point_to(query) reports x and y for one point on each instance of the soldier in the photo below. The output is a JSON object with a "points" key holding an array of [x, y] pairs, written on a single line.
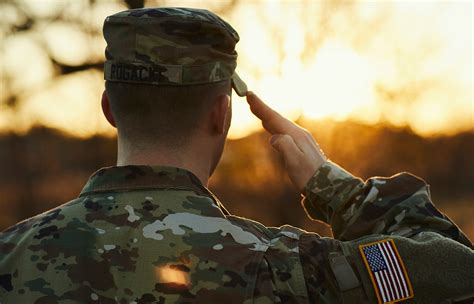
{"points": [[149, 231]]}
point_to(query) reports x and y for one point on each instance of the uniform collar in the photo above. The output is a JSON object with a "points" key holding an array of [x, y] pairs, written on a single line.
{"points": [[129, 178]]}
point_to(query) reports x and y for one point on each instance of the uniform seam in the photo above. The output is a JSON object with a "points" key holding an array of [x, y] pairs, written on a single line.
{"points": [[353, 257], [113, 188], [301, 278], [256, 260], [167, 65]]}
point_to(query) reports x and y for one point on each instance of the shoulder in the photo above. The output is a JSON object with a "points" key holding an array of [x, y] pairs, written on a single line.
{"points": [[293, 262], [284, 238], [35, 228], [39, 225], [20, 243]]}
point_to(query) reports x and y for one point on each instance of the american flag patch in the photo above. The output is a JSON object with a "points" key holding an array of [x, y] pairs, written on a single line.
{"points": [[386, 269]]}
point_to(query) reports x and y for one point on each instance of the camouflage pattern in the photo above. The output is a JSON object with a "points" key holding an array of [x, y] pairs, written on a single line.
{"points": [[170, 46], [399, 205], [155, 234]]}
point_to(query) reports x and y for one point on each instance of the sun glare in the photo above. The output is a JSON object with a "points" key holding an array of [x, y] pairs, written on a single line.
{"points": [[417, 52]]}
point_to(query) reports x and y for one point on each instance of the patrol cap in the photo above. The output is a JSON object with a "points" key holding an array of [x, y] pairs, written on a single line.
{"points": [[170, 46]]}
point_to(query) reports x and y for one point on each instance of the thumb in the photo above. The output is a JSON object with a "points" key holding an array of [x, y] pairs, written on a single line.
{"points": [[274, 139], [286, 146]]}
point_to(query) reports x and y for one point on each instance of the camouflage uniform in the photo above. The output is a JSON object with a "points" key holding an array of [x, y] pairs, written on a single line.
{"points": [[155, 234], [141, 234]]}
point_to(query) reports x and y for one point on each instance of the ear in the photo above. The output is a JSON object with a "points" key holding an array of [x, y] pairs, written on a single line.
{"points": [[106, 109], [219, 114]]}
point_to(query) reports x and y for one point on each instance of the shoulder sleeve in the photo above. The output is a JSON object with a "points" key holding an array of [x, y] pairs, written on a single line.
{"points": [[397, 205], [387, 269], [280, 276]]}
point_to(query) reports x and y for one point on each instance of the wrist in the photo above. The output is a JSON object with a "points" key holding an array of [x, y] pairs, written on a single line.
{"points": [[327, 190]]}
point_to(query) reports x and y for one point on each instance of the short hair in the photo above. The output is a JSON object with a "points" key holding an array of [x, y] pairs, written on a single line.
{"points": [[168, 115]]}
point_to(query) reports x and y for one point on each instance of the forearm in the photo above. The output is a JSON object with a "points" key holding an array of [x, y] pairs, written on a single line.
{"points": [[398, 205]]}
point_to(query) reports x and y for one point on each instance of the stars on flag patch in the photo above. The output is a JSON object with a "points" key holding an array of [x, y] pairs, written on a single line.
{"points": [[387, 271]]}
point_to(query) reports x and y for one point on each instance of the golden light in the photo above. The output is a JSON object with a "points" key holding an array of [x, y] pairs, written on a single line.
{"points": [[420, 52], [167, 274], [400, 63]]}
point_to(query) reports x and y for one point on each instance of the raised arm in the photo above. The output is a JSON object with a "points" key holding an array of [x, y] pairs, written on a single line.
{"points": [[399, 205]]}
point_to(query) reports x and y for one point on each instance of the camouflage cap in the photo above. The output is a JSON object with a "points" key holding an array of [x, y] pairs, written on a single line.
{"points": [[170, 46]]}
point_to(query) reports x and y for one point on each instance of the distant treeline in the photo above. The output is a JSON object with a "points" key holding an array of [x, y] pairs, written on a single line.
{"points": [[45, 168]]}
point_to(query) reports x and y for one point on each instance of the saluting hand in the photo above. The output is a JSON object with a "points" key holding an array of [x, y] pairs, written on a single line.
{"points": [[301, 153]]}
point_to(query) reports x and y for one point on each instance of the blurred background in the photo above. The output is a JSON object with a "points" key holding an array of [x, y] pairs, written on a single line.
{"points": [[383, 86]]}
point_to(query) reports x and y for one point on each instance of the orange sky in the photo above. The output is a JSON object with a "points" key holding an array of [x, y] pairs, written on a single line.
{"points": [[405, 63]]}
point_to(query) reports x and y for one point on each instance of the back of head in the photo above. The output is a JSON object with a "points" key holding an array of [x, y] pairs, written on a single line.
{"points": [[164, 68], [165, 115]]}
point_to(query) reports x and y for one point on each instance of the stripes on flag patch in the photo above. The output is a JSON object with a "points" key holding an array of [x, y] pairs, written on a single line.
{"points": [[387, 272]]}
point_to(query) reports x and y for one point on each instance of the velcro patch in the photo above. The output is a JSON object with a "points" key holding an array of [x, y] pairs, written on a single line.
{"points": [[387, 271]]}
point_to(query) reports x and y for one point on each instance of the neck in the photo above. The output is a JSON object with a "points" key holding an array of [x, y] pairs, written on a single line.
{"points": [[197, 162]]}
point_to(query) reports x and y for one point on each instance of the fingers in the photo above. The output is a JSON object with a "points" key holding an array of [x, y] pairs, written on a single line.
{"points": [[286, 146], [259, 108], [275, 123], [272, 121], [299, 150]]}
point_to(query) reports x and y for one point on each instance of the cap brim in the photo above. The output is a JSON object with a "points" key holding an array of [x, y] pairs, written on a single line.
{"points": [[239, 85]]}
